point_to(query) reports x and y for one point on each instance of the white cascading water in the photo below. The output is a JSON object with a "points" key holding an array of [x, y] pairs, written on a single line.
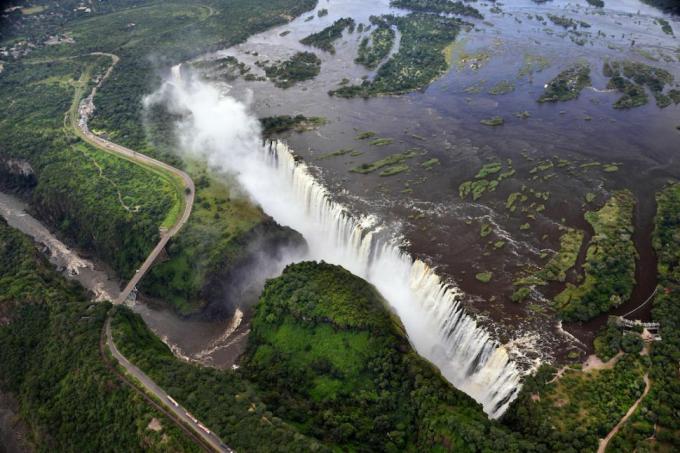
{"points": [[430, 310], [221, 130]]}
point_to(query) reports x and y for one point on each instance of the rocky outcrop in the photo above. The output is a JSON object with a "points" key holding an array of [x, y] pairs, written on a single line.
{"points": [[16, 174]]}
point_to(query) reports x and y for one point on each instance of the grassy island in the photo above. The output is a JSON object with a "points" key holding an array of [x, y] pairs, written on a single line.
{"points": [[419, 61], [374, 50], [610, 262], [568, 84], [325, 38], [298, 68]]}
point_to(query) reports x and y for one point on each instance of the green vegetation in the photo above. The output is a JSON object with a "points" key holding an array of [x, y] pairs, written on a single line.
{"points": [[520, 294], [298, 68], [51, 363], [665, 26], [224, 402], [418, 62], [381, 42], [610, 262], [85, 205], [568, 84], [381, 142], [98, 201], [608, 341], [365, 135], [438, 6], [631, 78], [325, 38], [533, 64], [391, 161], [486, 180], [484, 277], [322, 12], [489, 169], [493, 121], [596, 3], [574, 411], [555, 270], [171, 32], [395, 169], [272, 125], [430, 163], [502, 87], [655, 426], [329, 332], [337, 153], [211, 240], [566, 22], [227, 68]]}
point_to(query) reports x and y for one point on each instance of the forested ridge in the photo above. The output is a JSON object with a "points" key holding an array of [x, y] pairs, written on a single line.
{"points": [[51, 362]]}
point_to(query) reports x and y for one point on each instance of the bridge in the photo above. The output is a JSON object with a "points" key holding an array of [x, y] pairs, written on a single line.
{"points": [[651, 327]]}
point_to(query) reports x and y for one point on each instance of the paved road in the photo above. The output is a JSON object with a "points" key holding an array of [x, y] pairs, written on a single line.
{"points": [[177, 410], [604, 442], [84, 132], [79, 123]]}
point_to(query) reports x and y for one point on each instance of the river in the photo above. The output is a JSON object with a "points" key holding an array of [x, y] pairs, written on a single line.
{"points": [[443, 121]]}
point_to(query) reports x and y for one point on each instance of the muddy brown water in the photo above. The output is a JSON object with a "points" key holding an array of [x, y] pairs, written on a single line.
{"points": [[443, 121]]}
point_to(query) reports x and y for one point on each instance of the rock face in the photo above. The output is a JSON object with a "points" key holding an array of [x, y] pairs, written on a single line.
{"points": [[16, 174], [259, 254]]}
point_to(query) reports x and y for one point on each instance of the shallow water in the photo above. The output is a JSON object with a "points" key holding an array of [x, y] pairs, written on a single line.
{"points": [[443, 120]]}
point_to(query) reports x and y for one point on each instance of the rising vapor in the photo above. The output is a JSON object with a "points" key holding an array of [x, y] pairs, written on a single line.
{"points": [[218, 128]]}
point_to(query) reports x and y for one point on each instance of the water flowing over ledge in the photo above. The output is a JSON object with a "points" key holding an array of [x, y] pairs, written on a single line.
{"points": [[220, 129], [429, 308]]}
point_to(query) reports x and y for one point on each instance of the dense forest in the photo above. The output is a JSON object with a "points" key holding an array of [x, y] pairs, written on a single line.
{"points": [[656, 424], [99, 202], [358, 383], [52, 364]]}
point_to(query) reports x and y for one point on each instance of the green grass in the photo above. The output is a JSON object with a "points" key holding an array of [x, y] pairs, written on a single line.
{"points": [[219, 220], [568, 84], [393, 161], [484, 277], [358, 384], [610, 262]]}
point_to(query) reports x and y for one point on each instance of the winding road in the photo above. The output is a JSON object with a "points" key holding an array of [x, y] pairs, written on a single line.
{"points": [[79, 123], [78, 120], [604, 442]]}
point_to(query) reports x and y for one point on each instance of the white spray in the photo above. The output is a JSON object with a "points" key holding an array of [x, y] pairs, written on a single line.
{"points": [[221, 130]]}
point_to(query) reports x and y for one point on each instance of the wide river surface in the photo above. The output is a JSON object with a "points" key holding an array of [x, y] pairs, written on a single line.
{"points": [[515, 45]]}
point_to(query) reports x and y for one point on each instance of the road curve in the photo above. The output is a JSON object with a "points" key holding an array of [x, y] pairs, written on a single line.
{"points": [[177, 410], [81, 128], [83, 131], [604, 442]]}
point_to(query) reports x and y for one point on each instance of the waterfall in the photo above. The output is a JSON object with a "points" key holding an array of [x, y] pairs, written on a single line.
{"points": [[430, 309], [219, 129]]}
